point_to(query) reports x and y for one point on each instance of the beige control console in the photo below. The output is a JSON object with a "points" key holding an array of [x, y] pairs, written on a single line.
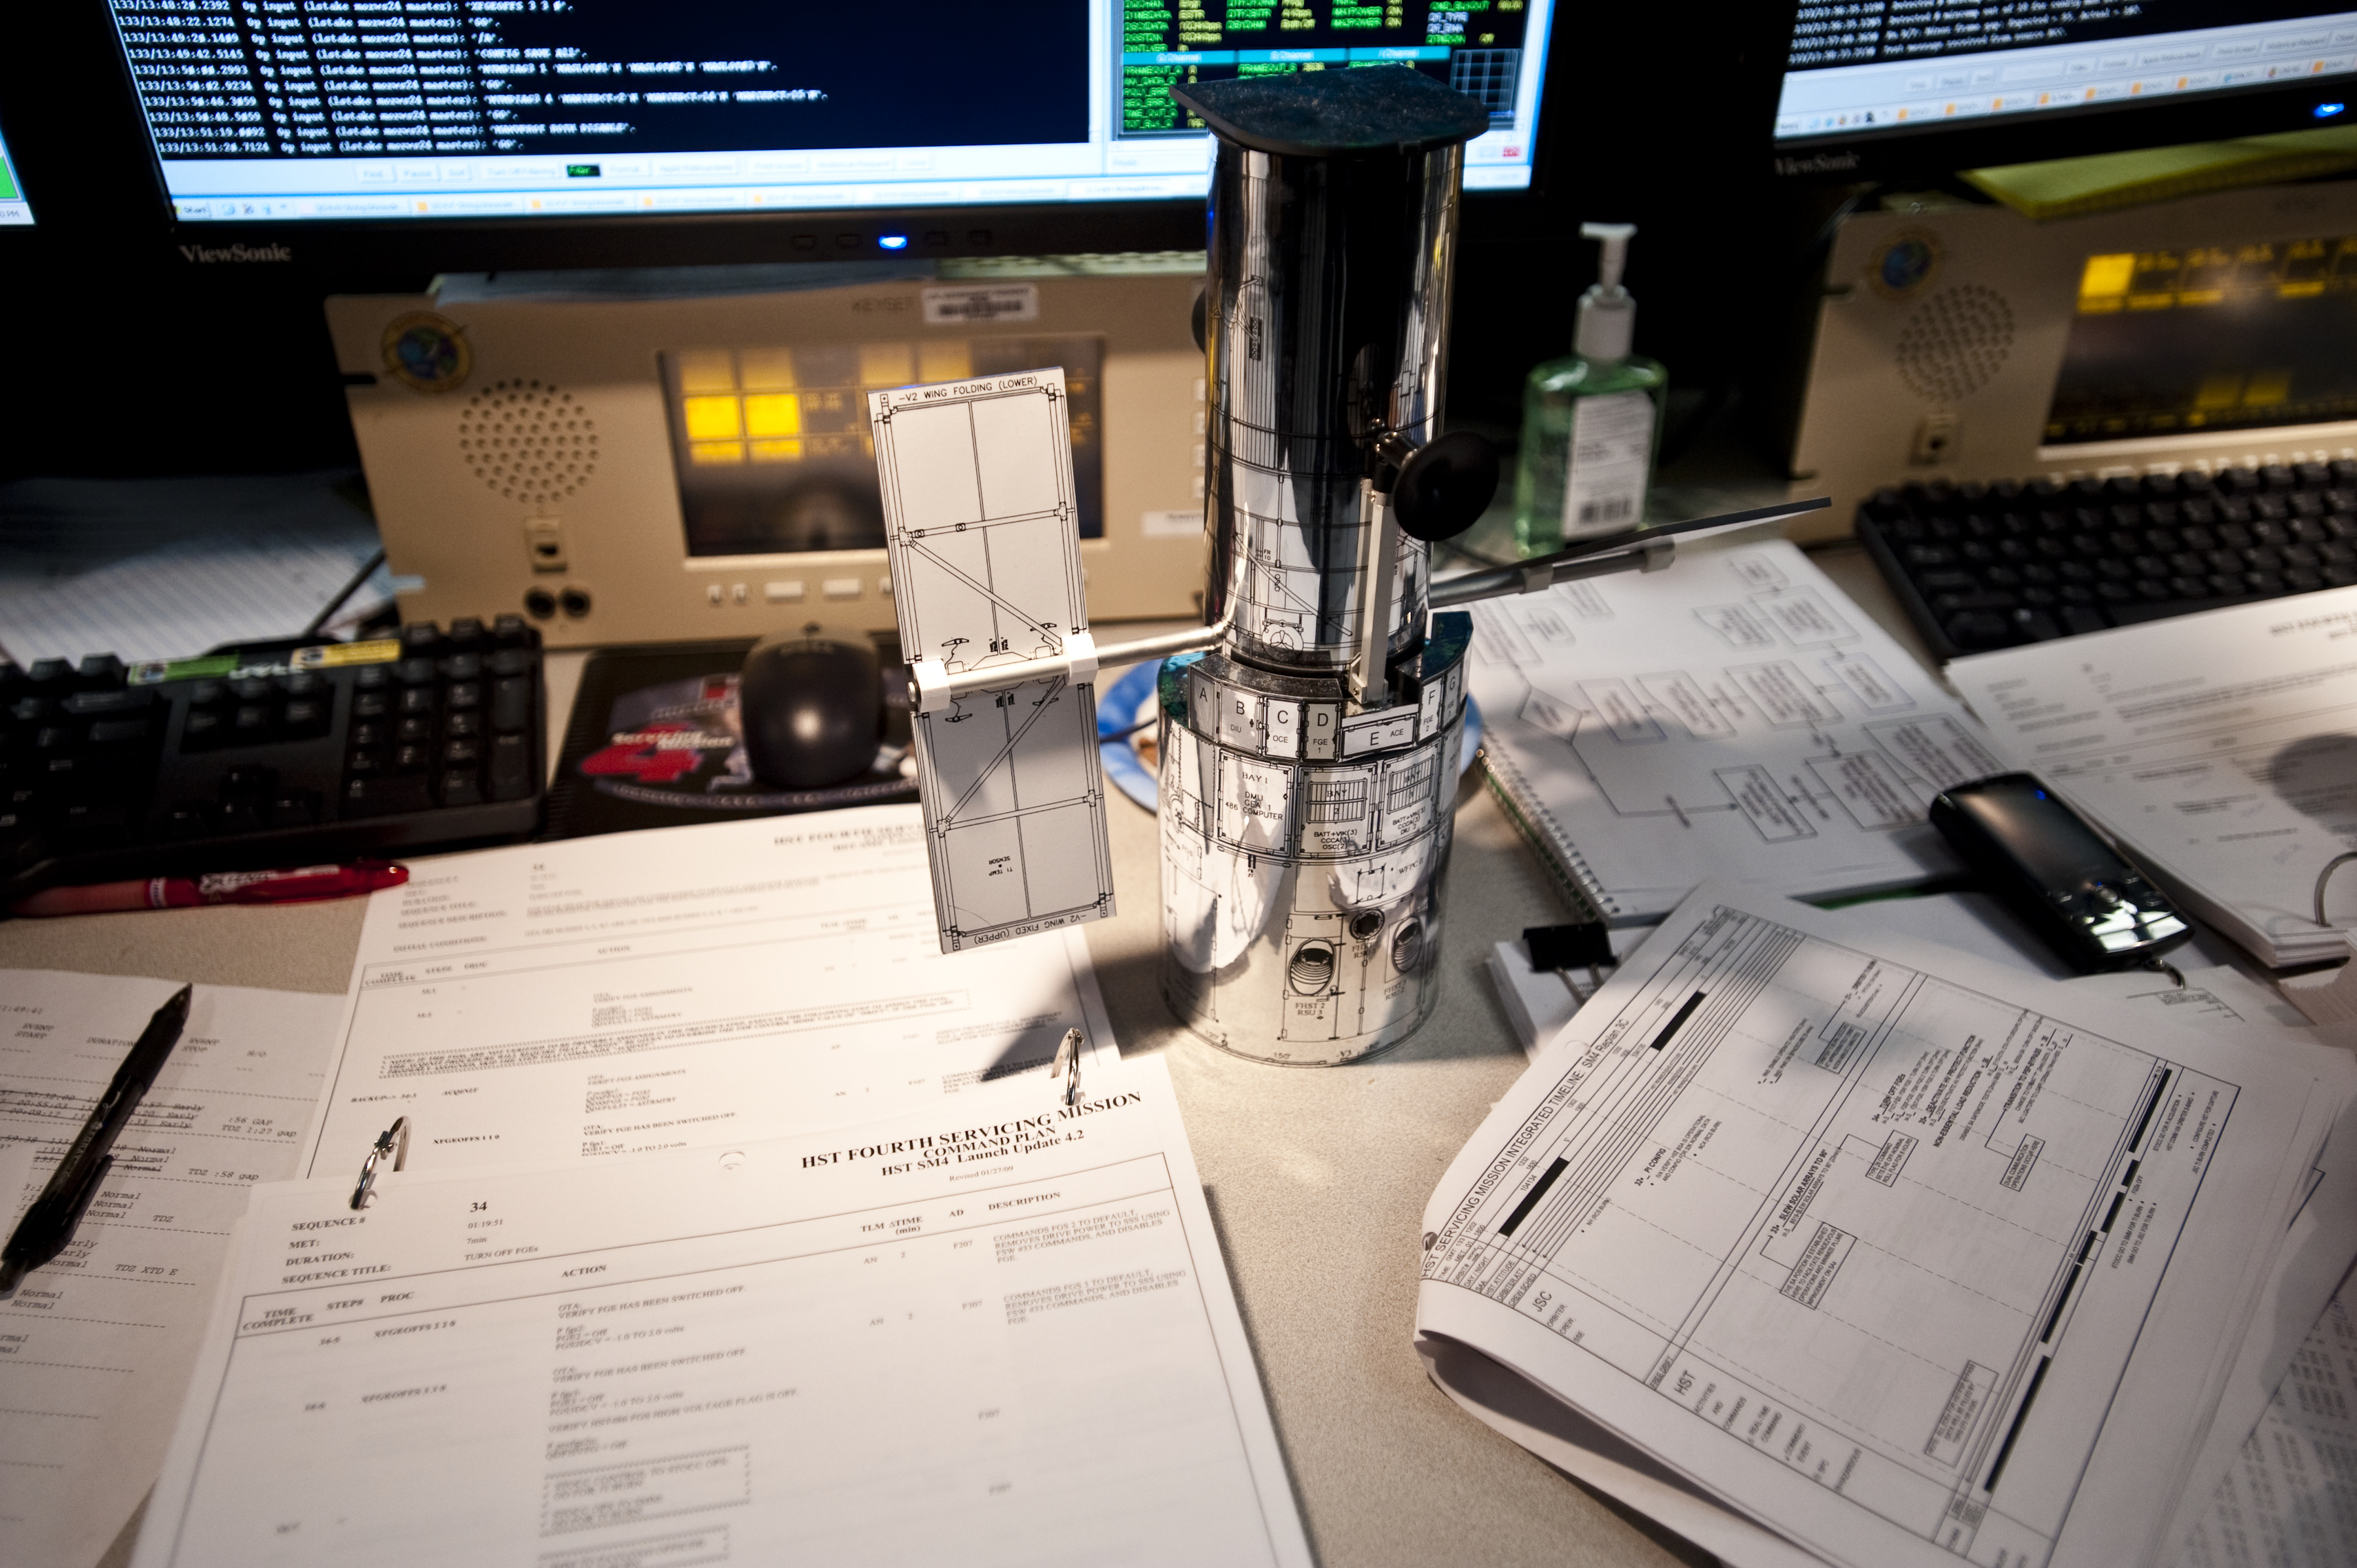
{"points": [[1968, 343], [651, 469]]}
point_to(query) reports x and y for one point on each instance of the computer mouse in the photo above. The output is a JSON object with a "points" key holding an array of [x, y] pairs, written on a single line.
{"points": [[808, 701]]}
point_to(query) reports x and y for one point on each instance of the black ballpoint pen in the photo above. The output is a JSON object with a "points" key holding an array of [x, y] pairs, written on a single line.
{"points": [[49, 1223]]}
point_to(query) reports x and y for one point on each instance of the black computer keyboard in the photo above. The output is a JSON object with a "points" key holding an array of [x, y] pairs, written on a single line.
{"points": [[1981, 566], [269, 755]]}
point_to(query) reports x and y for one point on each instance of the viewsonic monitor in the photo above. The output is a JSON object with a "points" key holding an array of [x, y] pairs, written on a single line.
{"points": [[1900, 87], [498, 126]]}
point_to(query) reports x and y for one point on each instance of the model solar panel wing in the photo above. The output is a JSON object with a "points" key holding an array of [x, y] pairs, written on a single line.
{"points": [[979, 512]]}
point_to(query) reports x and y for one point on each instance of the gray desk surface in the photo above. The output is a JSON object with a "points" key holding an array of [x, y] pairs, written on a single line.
{"points": [[1315, 1178]]}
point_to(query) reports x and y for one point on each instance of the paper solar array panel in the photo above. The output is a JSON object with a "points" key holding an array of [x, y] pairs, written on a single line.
{"points": [[979, 523]]}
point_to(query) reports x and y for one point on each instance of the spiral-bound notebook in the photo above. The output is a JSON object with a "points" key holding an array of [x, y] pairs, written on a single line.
{"points": [[1733, 716]]}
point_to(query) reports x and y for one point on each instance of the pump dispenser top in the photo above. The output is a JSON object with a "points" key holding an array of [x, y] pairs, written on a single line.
{"points": [[1607, 315]]}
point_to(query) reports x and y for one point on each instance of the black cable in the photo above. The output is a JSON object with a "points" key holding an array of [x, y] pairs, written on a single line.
{"points": [[348, 590], [1124, 734]]}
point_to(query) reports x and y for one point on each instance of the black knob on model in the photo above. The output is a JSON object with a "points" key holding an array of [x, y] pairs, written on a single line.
{"points": [[1444, 486]]}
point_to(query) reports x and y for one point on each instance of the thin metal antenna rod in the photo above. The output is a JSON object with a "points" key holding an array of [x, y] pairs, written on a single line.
{"points": [[1634, 549]]}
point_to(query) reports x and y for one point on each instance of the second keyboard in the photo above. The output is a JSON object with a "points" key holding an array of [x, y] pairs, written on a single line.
{"points": [[1982, 566]]}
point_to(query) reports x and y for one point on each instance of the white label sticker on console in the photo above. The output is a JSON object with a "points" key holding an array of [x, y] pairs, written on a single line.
{"points": [[989, 302]]}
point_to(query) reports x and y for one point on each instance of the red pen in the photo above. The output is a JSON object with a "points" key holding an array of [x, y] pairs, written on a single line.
{"points": [[298, 885]]}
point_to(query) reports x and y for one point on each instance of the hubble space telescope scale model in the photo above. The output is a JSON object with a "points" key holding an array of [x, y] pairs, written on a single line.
{"points": [[1309, 733], [1307, 761]]}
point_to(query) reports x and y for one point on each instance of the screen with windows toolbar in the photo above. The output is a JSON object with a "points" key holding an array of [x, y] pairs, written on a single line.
{"points": [[392, 109], [1867, 69]]}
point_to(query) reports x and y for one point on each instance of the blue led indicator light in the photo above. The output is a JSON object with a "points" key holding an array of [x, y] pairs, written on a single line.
{"points": [[2327, 111], [893, 242]]}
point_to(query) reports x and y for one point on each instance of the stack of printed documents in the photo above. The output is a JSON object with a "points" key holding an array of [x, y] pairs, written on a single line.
{"points": [[1818, 1244], [2219, 749], [96, 1346], [738, 1223]]}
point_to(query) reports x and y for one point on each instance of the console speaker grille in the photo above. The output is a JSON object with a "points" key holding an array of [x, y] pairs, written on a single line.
{"points": [[528, 441], [1955, 342]]}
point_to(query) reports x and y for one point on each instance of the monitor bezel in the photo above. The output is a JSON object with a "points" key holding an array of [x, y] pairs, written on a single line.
{"points": [[2047, 134]]}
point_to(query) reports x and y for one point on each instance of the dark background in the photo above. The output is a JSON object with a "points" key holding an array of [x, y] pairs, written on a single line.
{"points": [[130, 360], [133, 361]]}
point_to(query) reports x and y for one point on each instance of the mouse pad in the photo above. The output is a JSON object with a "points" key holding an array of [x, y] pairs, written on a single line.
{"points": [[654, 741]]}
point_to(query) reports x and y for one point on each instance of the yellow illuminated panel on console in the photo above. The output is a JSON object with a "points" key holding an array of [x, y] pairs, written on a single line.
{"points": [[2268, 389], [2218, 392], [2217, 274], [2241, 335], [2104, 281], [774, 413], [771, 448], [712, 419]]}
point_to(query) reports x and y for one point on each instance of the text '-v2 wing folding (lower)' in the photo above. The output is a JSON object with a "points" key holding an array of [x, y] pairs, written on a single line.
{"points": [[979, 515]]}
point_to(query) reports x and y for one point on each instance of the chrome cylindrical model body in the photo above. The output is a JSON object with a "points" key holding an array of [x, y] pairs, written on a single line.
{"points": [[1308, 764], [1327, 298], [1302, 848]]}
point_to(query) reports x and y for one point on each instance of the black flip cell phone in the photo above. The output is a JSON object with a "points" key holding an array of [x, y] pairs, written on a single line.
{"points": [[2093, 908]]}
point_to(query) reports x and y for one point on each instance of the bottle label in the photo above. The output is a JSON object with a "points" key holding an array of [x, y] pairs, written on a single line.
{"points": [[1612, 447]]}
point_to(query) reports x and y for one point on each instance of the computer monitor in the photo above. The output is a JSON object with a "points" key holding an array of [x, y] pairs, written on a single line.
{"points": [[15, 212], [1881, 88], [516, 132]]}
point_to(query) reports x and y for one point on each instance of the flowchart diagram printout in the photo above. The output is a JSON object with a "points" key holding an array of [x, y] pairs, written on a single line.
{"points": [[1733, 716], [1865, 1250], [651, 990]]}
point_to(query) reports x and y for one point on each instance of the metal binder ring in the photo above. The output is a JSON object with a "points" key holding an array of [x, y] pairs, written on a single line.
{"points": [[394, 1141], [2335, 863]]}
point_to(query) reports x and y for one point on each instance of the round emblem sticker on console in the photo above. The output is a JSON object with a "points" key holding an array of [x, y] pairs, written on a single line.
{"points": [[1903, 265], [426, 352]]}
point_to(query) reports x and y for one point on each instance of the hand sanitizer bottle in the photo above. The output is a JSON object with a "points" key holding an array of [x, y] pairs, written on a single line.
{"points": [[1590, 421]]}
